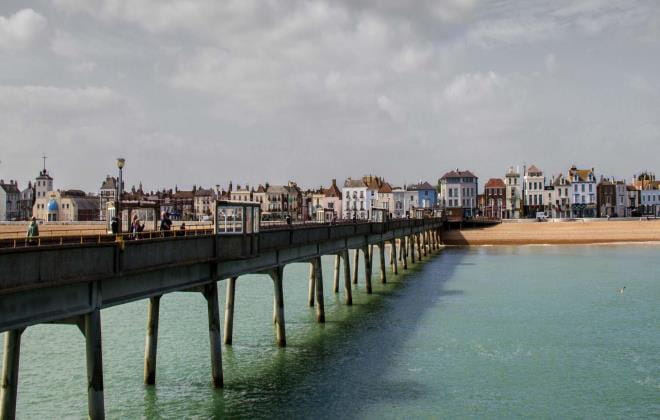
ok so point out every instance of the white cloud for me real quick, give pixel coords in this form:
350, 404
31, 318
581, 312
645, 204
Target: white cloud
21, 29
473, 88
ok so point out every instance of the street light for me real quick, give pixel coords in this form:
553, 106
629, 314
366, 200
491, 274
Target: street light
120, 164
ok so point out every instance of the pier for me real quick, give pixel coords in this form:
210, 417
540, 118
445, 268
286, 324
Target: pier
72, 283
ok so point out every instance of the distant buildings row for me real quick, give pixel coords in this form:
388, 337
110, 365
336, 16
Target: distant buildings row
519, 194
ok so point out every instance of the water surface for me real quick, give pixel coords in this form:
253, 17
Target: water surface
494, 332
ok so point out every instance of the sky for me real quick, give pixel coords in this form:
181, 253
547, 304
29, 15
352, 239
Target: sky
253, 91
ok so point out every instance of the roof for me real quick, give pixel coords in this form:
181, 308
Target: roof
86, 203
458, 174
421, 186
534, 170
333, 191
110, 183
354, 183
558, 179
385, 188
201, 192
583, 174
495, 183
183, 194
10, 188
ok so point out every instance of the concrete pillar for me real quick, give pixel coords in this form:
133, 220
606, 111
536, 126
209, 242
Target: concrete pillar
400, 248
348, 299
278, 306
229, 310
411, 243
392, 252
213, 308
404, 252
151, 341
356, 261
312, 285
394, 260
419, 247
367, 268
12, 352
94, 356
335, 279
320, 309
383, 275
422, 237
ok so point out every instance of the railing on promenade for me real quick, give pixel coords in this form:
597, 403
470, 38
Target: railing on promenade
77, 238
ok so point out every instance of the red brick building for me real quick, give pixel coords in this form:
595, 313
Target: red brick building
494, 199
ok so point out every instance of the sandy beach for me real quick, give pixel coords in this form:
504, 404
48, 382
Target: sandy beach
575, 232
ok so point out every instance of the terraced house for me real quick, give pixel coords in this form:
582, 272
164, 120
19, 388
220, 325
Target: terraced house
458, 194
583, 194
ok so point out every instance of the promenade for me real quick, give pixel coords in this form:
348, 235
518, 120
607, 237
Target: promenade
566, 232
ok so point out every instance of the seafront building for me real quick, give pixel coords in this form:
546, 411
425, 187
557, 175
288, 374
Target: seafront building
458, 194
533, 192
494, 199
427, 194
360, 195
611, 198
513, 193
10, 197
583, 195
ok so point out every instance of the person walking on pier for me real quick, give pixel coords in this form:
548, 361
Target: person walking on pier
165, 222
136, 226
32, 231
114, 225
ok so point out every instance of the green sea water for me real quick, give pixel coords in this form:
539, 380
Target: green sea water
485, 332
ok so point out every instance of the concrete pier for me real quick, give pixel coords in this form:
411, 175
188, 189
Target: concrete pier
278, 306
356, 263
383, 275
411, 245
348, 299
335, 275
229, 310
93, 355
213, 309
318, 277
312, 285
404, 252
395, 264
151, 341
12, 351
367, 268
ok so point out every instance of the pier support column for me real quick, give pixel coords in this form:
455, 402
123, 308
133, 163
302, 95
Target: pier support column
12, 352
395, 266
278, 306
335, 274
419, 247
151, 341
383, 275
318, 277
94, 356
213, 308
411, 244
367, 268
229, 310
312, 285
348, 299
356, 261
404, 252
401, 246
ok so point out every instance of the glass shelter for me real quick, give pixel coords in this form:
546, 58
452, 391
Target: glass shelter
146, 212
237, 217
379, 215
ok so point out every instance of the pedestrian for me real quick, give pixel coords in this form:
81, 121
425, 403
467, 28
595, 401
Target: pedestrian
32, 231
136, 226
288, 220
182, 230
165, 222
114, 225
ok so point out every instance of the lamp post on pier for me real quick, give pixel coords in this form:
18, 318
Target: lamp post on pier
120, 189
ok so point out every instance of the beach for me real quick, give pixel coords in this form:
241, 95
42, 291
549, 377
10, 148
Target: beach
566, 232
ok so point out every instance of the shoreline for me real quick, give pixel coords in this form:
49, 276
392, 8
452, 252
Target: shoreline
607, 232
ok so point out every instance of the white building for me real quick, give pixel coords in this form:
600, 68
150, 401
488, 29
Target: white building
513, 193
458, 194
650, 202
534, 187
10, 197
583, 194
558, 203
360, 196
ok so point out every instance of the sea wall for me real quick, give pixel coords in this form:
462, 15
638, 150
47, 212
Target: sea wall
574, 232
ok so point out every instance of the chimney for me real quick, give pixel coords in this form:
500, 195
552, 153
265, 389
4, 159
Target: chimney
334, 182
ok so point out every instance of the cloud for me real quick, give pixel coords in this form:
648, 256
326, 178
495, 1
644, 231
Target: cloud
550, 63
21, 29
51, 100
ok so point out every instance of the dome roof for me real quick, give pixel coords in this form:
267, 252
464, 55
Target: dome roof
52, 205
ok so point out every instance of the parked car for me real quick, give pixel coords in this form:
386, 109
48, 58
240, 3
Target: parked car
541, 216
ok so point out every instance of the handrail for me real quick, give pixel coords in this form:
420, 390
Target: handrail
98, 238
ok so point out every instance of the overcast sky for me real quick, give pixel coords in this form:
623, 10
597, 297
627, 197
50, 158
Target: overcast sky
201, 92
